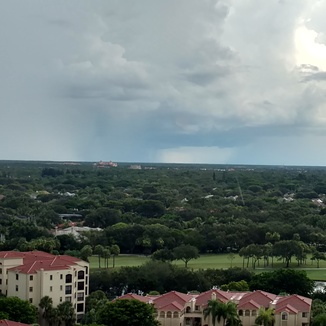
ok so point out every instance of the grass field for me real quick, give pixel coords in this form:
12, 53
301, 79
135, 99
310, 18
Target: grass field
217, 261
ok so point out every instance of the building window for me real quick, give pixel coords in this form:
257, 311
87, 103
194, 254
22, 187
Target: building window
0, 270
0, 281
80, 296
188, 309
240, 312
68, 289
68, 278
31, 300
80, 307
196, 308
254, 313
86, 269
17, 277
304, 315
51, 277
50, 288
31, 277
60, 287
30, 289
16, 287
61, 276
284, 316
169, 314
162, 314
60, 299
81, 275
81, 286
247, 312
175, 314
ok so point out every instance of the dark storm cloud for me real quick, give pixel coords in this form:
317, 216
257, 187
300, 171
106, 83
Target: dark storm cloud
161, 80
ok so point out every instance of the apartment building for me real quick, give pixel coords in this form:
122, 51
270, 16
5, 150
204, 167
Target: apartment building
35, 274
180, 309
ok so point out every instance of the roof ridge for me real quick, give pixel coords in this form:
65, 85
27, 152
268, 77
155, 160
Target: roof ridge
31, 266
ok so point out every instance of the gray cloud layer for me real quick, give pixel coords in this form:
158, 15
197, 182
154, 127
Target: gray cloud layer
193, 80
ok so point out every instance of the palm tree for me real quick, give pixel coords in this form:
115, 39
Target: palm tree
219, 310
231, 317
66, 313
265, 317
49, 313
213, 310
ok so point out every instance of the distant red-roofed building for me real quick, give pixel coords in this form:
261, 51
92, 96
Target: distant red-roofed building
35, 274
180, 309
5, 322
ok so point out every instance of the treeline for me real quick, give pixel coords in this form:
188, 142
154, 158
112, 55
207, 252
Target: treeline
164, 277
143, 211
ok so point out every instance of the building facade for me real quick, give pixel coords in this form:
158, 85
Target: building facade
32, 275
180, 309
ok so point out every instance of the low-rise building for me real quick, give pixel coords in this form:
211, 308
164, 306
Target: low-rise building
35, 274
180, 309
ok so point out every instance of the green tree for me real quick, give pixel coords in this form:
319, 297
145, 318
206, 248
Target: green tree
227, 312
49, 313
115, 251
164, 255
319, 320
127, 313
265, 317
66, 313
213, 310
98, 250
286, 249
317, 255
283, 280
186, 253
86, 252
18, 310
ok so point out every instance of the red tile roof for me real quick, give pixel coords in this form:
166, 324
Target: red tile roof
173, 306
288, 308
203, 298
5, 322
297, 301
176, 301
133, 296
251, 305
261, 297
34, 261
173, 296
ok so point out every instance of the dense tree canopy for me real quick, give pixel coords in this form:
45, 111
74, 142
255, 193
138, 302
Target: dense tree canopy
18, 310
127, 313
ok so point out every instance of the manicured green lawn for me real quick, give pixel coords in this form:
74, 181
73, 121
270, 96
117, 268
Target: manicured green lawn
217, 261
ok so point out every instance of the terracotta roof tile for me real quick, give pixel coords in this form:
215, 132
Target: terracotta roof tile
172, 296
203, 298
5, 322
288, 308
134, 296
249, 305
173, 306
34, 261
298, 302
264, 298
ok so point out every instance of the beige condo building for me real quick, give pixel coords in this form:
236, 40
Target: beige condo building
32, 275
180, 309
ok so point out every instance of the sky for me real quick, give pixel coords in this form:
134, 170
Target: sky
187, 81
